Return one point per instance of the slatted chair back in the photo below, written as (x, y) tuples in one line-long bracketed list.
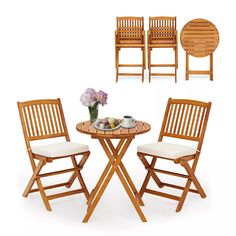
[(130, 29), (162, 28), (185, 119), (42, 119)]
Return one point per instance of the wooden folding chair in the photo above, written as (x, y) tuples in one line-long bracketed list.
[(129, 34), (44, 119), (183, 119), (162, 34)]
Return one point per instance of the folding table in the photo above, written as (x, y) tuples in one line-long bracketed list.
[(115, 164)]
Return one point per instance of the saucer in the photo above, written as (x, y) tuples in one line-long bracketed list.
[(128, 127)]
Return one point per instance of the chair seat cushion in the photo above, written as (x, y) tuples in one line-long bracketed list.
[(166, 150), (60, 149)]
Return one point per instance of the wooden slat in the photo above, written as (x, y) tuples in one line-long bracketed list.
[(173, 118), (130, 65), (58, 195), (87, 126), (26, 121), (47, 119), (162, 65), (169, 118), (177, 118), (35, 120), (130, 74), (197, 121), (49, 106), (199, 72), (201, 121), (193, 121), (167, 172), (43, 120), (179, 187), (49, 187), (39, 119), (31, 121), (139, 125), (124, 131), (163, 74), (185, 119), (58, 172), (181, 118), (189, 120), (55, 118), (61, 130), (166, 195)]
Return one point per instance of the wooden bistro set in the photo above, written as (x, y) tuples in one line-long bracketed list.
[(199, 38), (183, 119)]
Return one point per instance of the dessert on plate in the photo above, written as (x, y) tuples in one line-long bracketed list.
[(107, 123)]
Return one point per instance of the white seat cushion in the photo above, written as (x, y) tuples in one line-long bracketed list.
[(59, 149), (166, 150)]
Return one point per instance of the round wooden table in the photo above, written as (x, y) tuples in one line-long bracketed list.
[(199, 38), (115, 165)]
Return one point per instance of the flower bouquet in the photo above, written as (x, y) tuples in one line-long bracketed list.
[(91, 99)]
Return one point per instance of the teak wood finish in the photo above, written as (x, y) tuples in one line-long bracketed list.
[(129, 34), (199, 38), (44, 119), (115, 164), (162, 34), (183, 119)]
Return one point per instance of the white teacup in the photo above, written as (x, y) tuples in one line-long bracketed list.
[(128, 121)]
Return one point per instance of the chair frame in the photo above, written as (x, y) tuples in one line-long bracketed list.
[(183, 119), (161, 28), (130, 34), (44, 119)]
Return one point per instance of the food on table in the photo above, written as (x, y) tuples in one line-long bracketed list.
[(107, 123)]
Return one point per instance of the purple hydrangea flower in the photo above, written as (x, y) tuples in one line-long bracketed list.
[(102, 97), (90, 97)]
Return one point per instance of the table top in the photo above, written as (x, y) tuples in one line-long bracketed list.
[(87, 128), (199, 38)]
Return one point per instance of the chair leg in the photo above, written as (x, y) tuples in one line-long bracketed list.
[(192, 178), (39, 183), (143, 63), (149, 174), (34, 177), (183, 196), (149, 65), (117, 63), (81, 164), (80, 178)]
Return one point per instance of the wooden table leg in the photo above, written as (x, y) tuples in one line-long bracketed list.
[(125, 173), (125, 179), (101, 185), (100, 181)]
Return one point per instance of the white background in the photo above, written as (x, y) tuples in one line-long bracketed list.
[(51, 49)]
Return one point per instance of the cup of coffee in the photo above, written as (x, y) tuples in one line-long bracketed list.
[(128, 121)]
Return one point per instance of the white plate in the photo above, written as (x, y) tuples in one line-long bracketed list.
[(97, 127), (128, 127)]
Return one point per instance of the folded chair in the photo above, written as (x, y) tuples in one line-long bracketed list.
[(44, 119), (183, 119), (162, 34), (129, 34)]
